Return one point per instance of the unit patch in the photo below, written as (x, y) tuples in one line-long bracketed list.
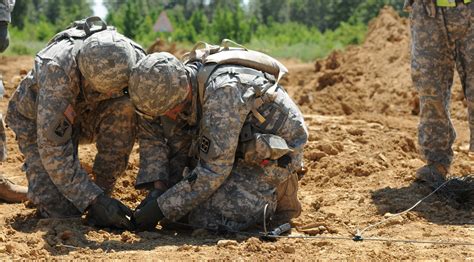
[(205, 145)]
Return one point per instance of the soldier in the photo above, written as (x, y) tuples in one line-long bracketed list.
[(76, 94), (442, 36), (239, 167), (9, 192)]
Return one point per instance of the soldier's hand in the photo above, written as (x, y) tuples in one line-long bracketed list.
[(4, 38), (109, 212), (148, 215), (152, 195)]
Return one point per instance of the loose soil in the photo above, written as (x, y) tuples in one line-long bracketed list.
[(361, 111)]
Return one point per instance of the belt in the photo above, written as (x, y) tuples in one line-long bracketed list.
[(451, 3)]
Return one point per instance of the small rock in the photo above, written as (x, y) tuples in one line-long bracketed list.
[(184, 248), (315, 155), (253, 244), (226, 243), (289, 249), (9, 248)]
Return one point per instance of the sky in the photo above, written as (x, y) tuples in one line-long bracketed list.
[(99, 8)]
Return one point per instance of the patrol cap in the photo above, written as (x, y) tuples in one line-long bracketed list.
[(106, 59), (158, 83)]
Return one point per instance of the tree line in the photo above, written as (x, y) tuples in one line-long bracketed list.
[(322, 24)]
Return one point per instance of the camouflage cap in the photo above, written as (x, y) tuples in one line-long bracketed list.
[(106, 59), (158, 83)]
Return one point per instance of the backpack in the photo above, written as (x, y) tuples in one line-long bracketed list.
[(213, 56), (80, 30)]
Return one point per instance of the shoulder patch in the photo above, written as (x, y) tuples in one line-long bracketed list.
[(205, 145)]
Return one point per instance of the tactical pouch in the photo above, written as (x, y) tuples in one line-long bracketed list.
[(264, 147)]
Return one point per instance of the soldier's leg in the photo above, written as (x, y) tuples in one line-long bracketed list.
[(240, 202), (115, 136), (41, 190), (288, 204), (465, 66), (432, 73), (3, 141)]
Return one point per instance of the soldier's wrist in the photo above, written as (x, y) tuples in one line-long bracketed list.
[(160, 185)]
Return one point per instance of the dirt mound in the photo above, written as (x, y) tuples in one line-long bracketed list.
[(161, 45), (373, 77)]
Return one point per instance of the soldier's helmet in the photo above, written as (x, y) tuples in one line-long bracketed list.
[(158, 83), (106, 59)]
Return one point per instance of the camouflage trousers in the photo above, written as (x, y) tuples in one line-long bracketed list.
[(439, 44), (244, 199), (3, 141), (111, 126)]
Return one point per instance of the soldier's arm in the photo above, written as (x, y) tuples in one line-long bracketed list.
[(56, 147), (153, 153), (224, 113)]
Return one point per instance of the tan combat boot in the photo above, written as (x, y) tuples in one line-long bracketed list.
[(10, 192), (432, 174), (288, 205)]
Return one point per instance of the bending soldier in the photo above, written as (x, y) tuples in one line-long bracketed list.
[(235, 168), (76, 94)]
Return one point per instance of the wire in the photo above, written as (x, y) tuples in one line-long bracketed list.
[(359, 233), (412, 241)]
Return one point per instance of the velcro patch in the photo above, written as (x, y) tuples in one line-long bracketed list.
[(205, 145)]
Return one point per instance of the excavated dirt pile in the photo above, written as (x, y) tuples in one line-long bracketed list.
[(360, 108), (374, 77)]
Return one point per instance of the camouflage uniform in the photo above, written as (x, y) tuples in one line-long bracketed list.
[(442, 37), (6, 7), (52, 111), (221, 188)]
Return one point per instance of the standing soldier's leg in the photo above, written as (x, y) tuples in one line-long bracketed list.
[(115, 136), (465, 65), (3, 141), (432, 74)]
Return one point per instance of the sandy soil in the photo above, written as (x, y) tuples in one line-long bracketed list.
[(360, 108)]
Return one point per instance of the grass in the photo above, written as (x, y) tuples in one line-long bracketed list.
[(23, 47)]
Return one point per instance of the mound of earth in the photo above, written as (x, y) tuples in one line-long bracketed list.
[(373, 77)]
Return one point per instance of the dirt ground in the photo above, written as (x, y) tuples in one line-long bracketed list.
[(360, 108)]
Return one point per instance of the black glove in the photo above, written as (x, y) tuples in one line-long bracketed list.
[(4, 38), (109, 212), (152, 195), (148, 214)]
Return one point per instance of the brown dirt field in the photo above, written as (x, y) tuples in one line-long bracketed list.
[(362, 156)]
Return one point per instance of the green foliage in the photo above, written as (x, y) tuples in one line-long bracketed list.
[(305, 29), (293, 40)]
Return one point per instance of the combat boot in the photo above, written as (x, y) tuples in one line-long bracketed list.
[(288, 205), (10, 192), (432, 175)]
